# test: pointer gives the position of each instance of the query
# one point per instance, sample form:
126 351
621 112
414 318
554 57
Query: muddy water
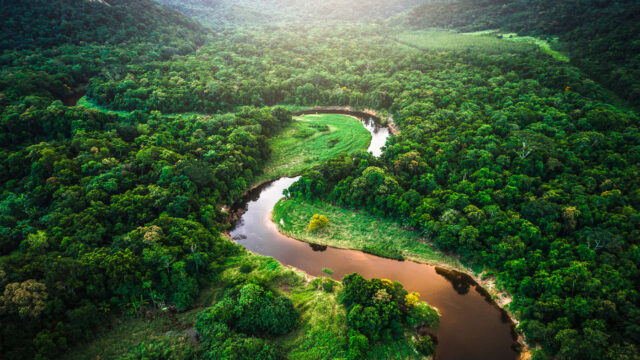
471 327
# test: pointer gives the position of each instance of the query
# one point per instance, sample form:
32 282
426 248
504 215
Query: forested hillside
115 207
52 48
601 37
230 13
36 23
80 187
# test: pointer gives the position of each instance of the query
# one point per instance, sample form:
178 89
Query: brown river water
471 327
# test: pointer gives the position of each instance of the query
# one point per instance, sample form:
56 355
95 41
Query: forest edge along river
472 326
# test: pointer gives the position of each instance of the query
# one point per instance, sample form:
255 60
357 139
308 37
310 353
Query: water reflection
460 282
316 247
379 135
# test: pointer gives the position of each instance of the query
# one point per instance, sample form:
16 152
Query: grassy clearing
322 331
86 102
356 230
439 40
544 45
488 41
128 332
311 140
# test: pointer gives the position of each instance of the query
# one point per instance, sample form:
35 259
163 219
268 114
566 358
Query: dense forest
116 205
248 13
601 37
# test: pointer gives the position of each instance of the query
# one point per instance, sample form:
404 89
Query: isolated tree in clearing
318 222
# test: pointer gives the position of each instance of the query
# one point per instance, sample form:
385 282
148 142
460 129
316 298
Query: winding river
471 325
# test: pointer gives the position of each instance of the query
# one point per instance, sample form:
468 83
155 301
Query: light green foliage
358 345
131 337
162 348
327 271
322 333
317 222
325 135
544 45
451 41
356 230
421 314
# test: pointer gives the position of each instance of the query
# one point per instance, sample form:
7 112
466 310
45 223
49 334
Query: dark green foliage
260 312
377 311
304 133
221 343
126 219
111 213
358 345
426 346
253 311
514 160
228 73
225 329
521 174
320 127
246 268
39 23
164 348
328 285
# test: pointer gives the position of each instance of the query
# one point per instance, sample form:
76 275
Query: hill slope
38 23
245 12
601 37
52 296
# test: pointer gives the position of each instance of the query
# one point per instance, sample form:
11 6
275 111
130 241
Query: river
471 325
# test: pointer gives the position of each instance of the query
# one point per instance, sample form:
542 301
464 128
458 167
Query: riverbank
355 230
440 287
349 229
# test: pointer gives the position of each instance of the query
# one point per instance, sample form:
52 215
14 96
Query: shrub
358 345
422 315
426 345
327 271
318 222
253 311
259 311
328 285
304 133
320 127
246 268
239 347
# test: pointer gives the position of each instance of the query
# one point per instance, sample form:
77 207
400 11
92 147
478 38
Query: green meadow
357 230
311 140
